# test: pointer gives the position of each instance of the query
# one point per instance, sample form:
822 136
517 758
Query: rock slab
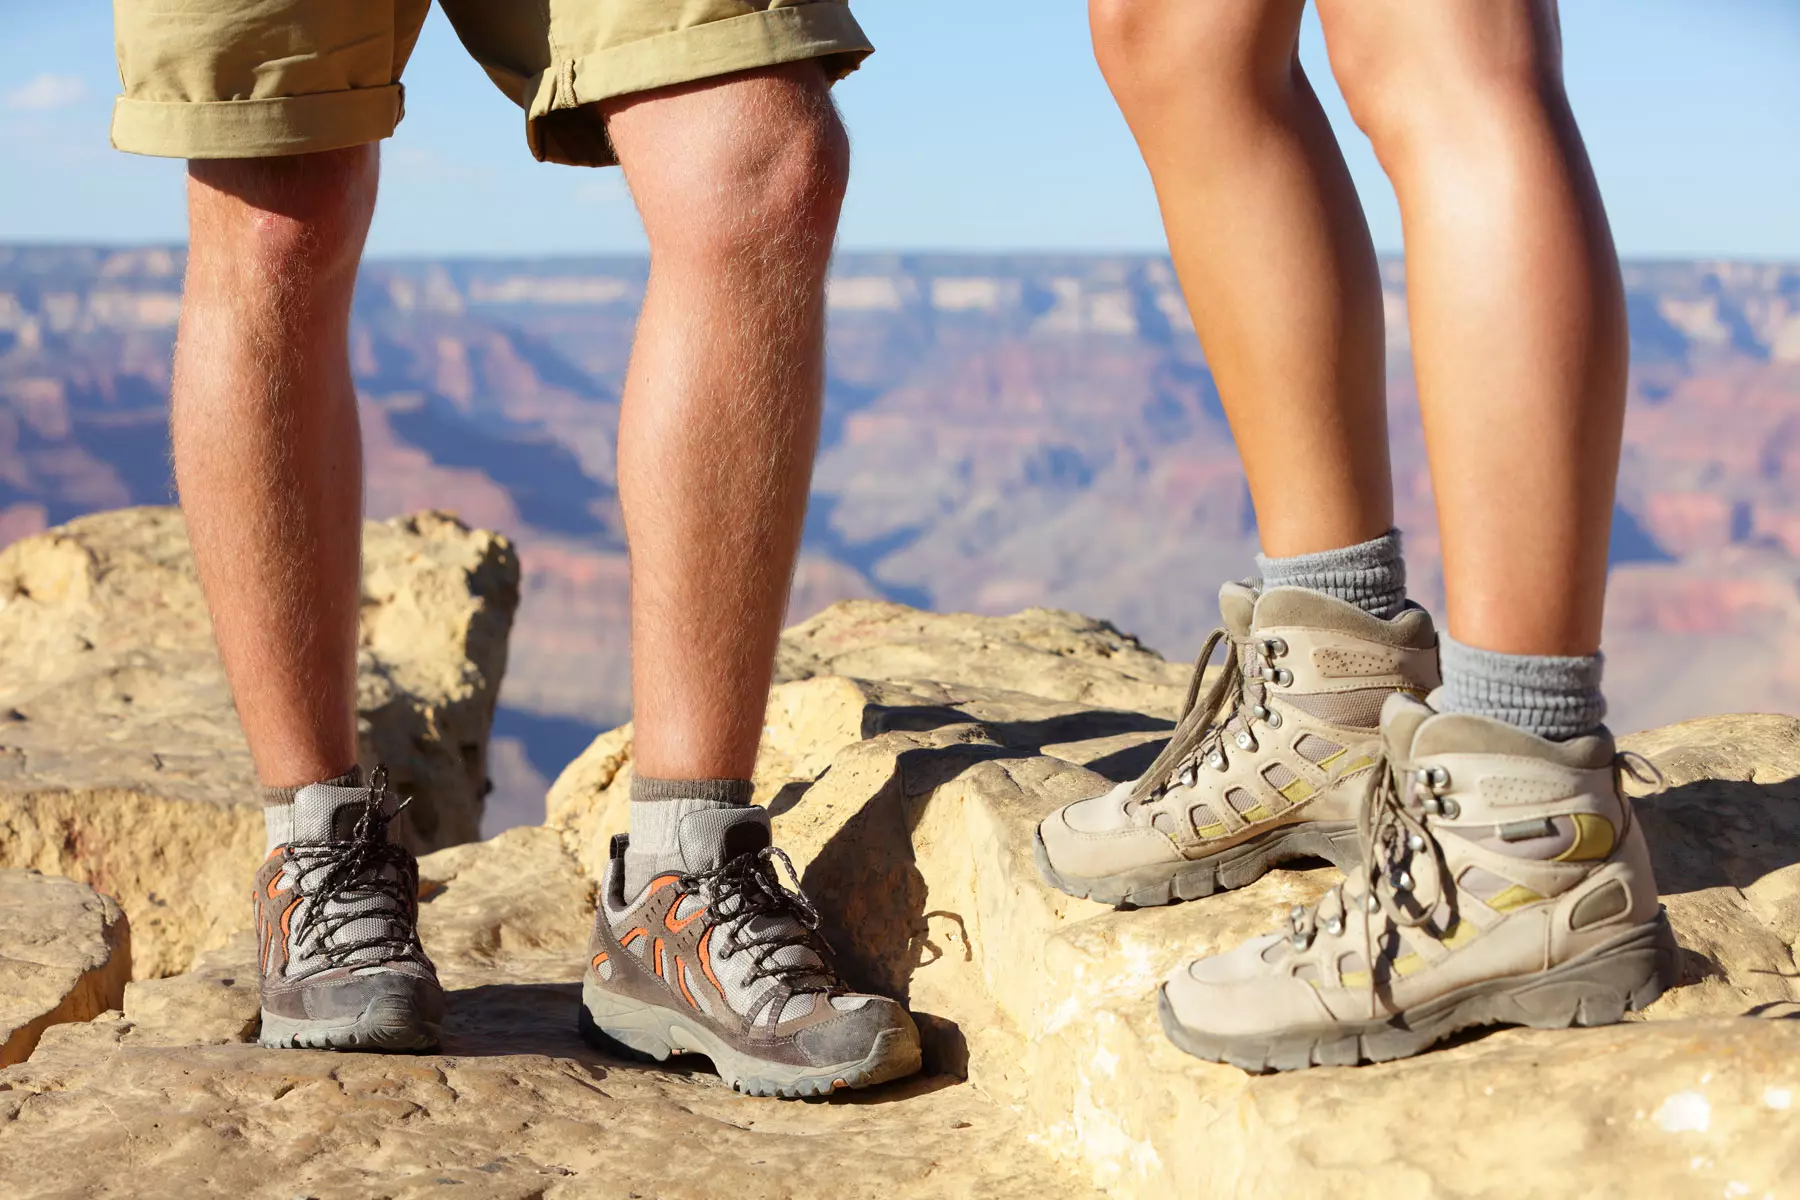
909 803
121 760
167 1098
65 955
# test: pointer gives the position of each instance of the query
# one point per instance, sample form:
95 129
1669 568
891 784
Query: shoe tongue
714 836
1237 605
1401 717
324 813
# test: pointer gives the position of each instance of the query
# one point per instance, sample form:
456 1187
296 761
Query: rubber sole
1239 866
389 1023
1597 988
632 1029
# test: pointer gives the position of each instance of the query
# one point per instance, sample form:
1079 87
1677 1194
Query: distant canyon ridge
1001 431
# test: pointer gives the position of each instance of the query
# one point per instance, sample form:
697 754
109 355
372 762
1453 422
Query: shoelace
747 887
1200 733
1393 832
364 878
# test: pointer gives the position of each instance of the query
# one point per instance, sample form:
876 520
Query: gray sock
278 806
1552 696
657 806
1370 575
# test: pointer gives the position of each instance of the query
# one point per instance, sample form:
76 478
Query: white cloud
46 92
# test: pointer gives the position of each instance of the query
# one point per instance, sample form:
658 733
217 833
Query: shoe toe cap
1240 994
1095 837
852 1033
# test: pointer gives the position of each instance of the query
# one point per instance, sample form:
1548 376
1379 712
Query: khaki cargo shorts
258 78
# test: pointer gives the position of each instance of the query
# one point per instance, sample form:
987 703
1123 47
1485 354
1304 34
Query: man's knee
760 176
297 221
1150 50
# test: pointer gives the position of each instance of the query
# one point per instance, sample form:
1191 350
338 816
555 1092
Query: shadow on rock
1721 832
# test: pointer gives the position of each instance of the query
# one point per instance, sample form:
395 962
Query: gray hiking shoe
721 959
1269 767
337 919
1507 883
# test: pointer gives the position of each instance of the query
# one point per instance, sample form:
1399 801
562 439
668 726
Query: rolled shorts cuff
766 38
257 128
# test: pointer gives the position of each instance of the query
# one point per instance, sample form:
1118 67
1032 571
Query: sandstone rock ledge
65 954
121 761
908 800
910 794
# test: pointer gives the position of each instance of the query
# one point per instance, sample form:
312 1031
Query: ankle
278 805
1552 696
657 809
1370 575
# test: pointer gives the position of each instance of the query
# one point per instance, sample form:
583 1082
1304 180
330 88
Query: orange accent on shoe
272 889
632 936
656 957
706 959
674 926
274 852
660 882
598 959
681 982
287 913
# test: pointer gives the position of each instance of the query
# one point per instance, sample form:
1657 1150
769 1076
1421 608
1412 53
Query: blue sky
979 124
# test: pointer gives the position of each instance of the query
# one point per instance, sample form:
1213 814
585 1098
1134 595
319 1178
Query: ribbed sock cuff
285 795
713 791
1370 575
1553 696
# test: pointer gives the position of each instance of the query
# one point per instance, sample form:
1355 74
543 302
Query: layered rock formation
121 761
65 954
906 759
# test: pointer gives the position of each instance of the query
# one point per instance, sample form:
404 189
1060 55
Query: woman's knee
1153 49
1409 72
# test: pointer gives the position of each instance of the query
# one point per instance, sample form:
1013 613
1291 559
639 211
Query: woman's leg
1518 319
1272 251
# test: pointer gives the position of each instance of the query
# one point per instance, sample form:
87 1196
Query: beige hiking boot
1269 767
1507 883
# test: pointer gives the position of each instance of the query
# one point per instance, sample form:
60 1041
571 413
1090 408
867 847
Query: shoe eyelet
1216 762
1414 842
1438 778
1245 741
1273 719
1452 809
1283 677
1403 881
1334 927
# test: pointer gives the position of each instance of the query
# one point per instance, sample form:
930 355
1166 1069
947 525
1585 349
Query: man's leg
269 462
739 182
267 452
1282 282
1504 877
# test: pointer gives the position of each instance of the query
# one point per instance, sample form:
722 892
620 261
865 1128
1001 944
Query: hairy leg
1518 318
1272 251
267 453
739 183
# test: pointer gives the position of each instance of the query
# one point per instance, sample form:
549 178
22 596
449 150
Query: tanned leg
739 184
267 454
1518 318
1272 251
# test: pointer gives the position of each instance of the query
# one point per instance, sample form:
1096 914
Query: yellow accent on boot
1297 791
1594 839
1464 933
1516 896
